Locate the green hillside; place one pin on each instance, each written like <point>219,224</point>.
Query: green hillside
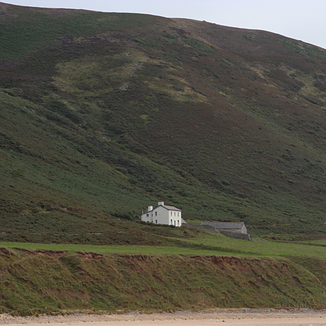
<point>102,114</point>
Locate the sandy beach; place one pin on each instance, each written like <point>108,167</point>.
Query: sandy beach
<point>231,317</point>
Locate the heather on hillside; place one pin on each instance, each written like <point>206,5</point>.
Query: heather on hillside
<point>103,114</point>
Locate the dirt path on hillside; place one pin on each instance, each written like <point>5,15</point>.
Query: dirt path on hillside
<point>245,317</point>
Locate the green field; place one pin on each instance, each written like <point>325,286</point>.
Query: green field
<point>316,242</point>
<point>121,250</point>
<point>202,244</point>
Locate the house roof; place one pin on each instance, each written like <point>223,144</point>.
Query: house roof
<point>224,225</point>
<point>171,208</point>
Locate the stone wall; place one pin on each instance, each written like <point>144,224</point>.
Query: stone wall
<point>236,235</point>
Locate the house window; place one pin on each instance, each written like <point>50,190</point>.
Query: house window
<point>174,213</point>
<point>171,222</point>
<point>174,222</point>
<point>156,221</point>
<point>178,222</point>
<point>147,215</point>
<point>155,213</point>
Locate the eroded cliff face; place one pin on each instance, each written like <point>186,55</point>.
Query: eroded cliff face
<point>34,282</point>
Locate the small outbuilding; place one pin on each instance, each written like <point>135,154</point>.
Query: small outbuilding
<point>163,214</point>
<point>237,227</point>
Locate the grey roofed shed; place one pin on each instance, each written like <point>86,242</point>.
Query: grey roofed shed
<point>238,227</point>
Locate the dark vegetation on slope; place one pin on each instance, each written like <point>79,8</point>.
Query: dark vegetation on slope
<point>103,114</point>
<point>51,282</point>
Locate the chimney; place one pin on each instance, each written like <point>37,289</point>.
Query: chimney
<point>161,203</point>
<point>150,208</point>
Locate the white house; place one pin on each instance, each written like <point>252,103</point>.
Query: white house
<point>162,214</point>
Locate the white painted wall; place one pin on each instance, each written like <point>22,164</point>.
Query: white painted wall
<point>163,215</point>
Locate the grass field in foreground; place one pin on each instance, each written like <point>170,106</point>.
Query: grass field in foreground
<point>75,282</point>
<point>263,248</point>
<point>122,249</point>
<point>321,242</point>
<point>205,244</point>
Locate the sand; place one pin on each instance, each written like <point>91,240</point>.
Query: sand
<point>244,317</point>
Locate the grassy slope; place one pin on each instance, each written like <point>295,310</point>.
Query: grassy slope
<point>103,114</point>
<point>44,283</point>
<point>185,275</point>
